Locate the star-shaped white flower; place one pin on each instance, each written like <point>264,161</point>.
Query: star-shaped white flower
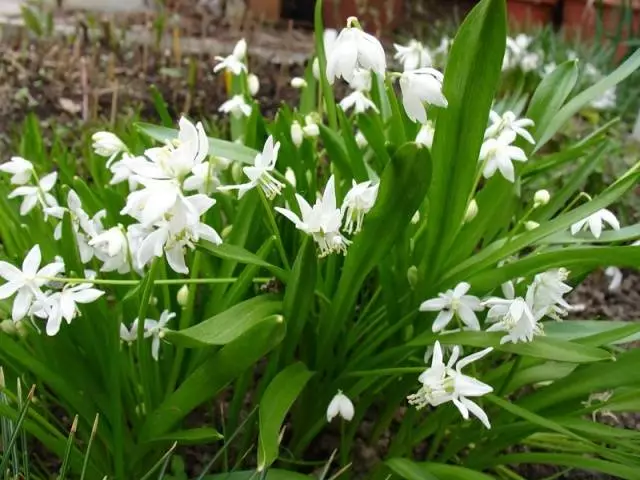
<point>358,101</point>
<point>236,106</point>
<point>508,122</point>
<point>153,329</point>
<point>413,56</point>
<point>20,169</point>
<point>260,172</point>
<point>26,283</point>
<point>454,302</point>
<point>596,222</point>
<point>499,154</point>
<point>420,87</point>
<point>34,194</point>
<point>354,49</point>
<point>513,316</point>
<point>234,63</point>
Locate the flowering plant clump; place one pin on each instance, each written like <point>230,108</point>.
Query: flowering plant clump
<point>304,265</point>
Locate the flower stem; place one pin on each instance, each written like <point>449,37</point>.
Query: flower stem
<point>274,229</point>
<point>167,281</point>
<point>143,354</point>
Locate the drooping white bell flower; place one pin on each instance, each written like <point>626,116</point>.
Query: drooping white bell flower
<point>329,40</point>
<point>546,291</point>
<point>615,275</point>
<point>310,128</point>
<point>260,172</point>
<point>107,144</point>
<point>236,106</point>
<point>420,87</point>
<point>596,223</point>
<point>37,194</point>
<point>342,406</point>
<point>20,169</point>
<point>508,122</point>
<point>64,305</point>
<point>234,63</point>
<point>357,203</point>
<point>322,221</point>
<point>354,49</point>
<point>443,383</point>
<point>358,101</point>
<point>499,154</point>
<point>513,316</point>
<point>530,62</point>
<point>414,55</point>
<point>425,135</point>
<point>452,303</point>
<point>26,283</point>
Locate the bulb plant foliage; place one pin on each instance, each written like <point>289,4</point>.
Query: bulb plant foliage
<point>371,259</point>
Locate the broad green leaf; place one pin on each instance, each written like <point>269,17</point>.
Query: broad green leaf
<point>582,99</point>
<point>229,251</point>
<point>356,159</point>
<point>219,148</point>
<point>161,106</point>
<point>274,405</point>
<point>271,474</point>
<point>325,88</point>
<point>69,247</point>
<point>336,150</point>
<point>469,86</point>
<point>541,347</point>
<point>625,234</point>
<point>604,332</point>
<point>214,374</point>
<point>596,430</point>
<point>432,471</point>
<point>403,186</point>
<point>193,436</point>
<point>372,128</point>
<point>228,325</point>
<point>553,91</point>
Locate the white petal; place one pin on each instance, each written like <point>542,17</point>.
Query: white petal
<point>8,289</point>
<point>21,304</point>
<point>9,272</point>
<point>53,324</point>
<point>610,218</point>
<point>32,261</point>
<point>88,295</point>
<point>468,317</point>
<point>442,320</point>
<point>434,304</point>
<point>476,411</point>
<point>175,258</point>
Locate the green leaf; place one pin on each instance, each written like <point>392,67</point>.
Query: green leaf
<point>553,91</point>
<point>272,474</point>
<point>469,85</point>
<point>161,106</point>
<point>214,374</point>
<point>325,88</point>
<point>403,186</point>
<point>219,148</point>
<point>336,150</point>
<point>541,347</point>
<point>226,326</point>
<point>274,405</point>
<point>193,436</point>
<point>625,234</point>
<point>594,332</point>
<point>585,97</point>
<point>432,471</point>
<point>69,246</point>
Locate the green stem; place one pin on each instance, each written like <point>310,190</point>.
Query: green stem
<point>271,220</point>
<point>143,353</point>
<point>169,281</point>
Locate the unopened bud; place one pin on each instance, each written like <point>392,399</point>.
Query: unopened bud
<point>290,175</point>
<point>540,198</point>
<point>297,135</point>
<point>315,68</point>
<point>361,140</point>
<point>8,327</point>
<point>153,301</point>
<point>236,172</point>
<point>416,217</point>
<point>311,130</point>
<point>183,296</point>
<point>226,231</point>
<point>22,329</point>
<point>253,82</point>
<point>472,211</point>
<point>412,276</point>
<point>531,225</point>
<point>297,82</point>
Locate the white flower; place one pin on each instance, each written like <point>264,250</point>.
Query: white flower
<point>297,82</point>
<point>322,221</point>
<point>236,106</point>
<point>107,144</point>
<point>513,316</point>
<point>26,283</point>
<point>128,335</point>
<point>498,154</point>
<point>20,169</point>
<point>204,176</point>
<point>329,40</point>
<point>541,198</point>
<point>234,63</point>
<point>32,195</point>
<point>253,84</point>
<point>122,171</point>
<point>472,211</point>
<point>595,222</point>
<point>311,128</point>
<point>361,140</point>
<point>454,302</point>
<point>442,383</point>
<point>297,135</point>
<point>530,62</point>
<point>508,122</point>
<point>549,68</point>
<point>355,49</point>
<point>63,305</point>
<point>425,135</point>
<point>418,87</point>
<point>358,101</point>
<point>545,294</point>
<point>361,80</point>
<point>615,274</point>
<point>182,297</point>
<point>357,203</point>
<point>413,56</point>
<point>112,247</point>
<point>154,329</point>
<point>606,101</point>
<point>340,405</point>
<point>290,176</point>
<point>260,173</point>
<point>151,203</point>
<point>445,45</point>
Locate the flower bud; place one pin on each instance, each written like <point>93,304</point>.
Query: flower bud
<point>253,82</point>
<point>531,225</point>
<point>8,327</point>
<point>107,144</point>
<point>237,173</point>
<point>153,301</point>
<point>290,175</point>
<point>472,211</point>
<point>297,82</point>
<point>183,296</point>
<point>240,49</point>
<point>315,68</point>
<point>297,135</point>
<point>226,231</point>
<point>416,217</point>
<point>311,130</point>
<point>540,198</point>
<point>340,406</point>
<point>22,328</point>
<point>412,276</point>
<point>361,140</point>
